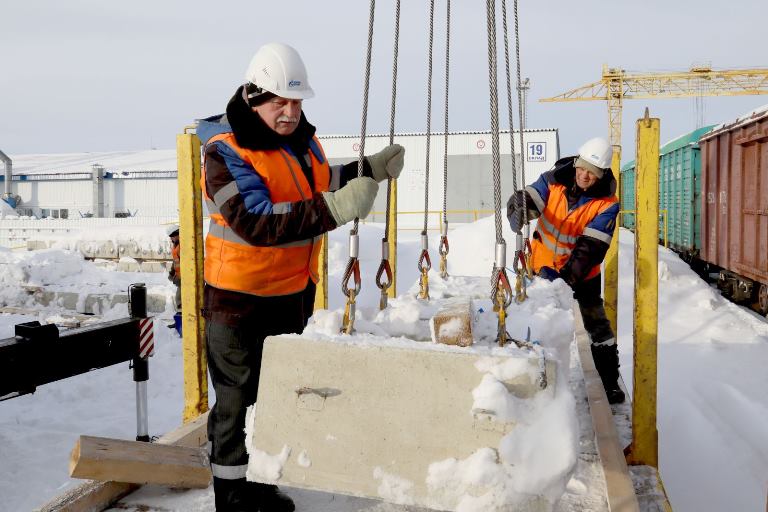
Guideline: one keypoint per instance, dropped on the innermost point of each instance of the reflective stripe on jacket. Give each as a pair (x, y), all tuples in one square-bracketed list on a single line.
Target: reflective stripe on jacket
[(559, 228), (232, 263)]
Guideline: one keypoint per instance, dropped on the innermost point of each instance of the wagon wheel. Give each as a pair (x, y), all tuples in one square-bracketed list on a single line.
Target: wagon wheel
[(762, 299)]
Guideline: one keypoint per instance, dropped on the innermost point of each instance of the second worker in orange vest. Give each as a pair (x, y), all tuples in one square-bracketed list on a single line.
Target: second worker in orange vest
[(576, 207), (271, 193)]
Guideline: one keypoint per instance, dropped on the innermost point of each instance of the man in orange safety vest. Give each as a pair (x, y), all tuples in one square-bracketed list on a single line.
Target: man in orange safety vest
[(576, 207)]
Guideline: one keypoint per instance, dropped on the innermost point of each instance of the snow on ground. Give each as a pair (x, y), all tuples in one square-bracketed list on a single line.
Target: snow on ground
[(713, 409), (712, 400)]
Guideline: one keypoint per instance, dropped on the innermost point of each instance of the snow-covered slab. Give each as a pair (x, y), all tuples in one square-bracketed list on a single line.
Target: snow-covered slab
[(419, 423)]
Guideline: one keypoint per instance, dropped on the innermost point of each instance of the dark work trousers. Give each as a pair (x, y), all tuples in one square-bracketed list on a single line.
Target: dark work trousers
[(234, 348), (604, 349)]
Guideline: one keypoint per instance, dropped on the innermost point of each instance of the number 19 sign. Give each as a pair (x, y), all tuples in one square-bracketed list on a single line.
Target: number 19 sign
[(536, 152)]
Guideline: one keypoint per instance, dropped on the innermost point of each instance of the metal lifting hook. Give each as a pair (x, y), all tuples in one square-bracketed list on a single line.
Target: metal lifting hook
[(502, 300), (384, 269), (348, 322), (527, 260), (424, 270), (520, 271), (353, 270), (443, 249)]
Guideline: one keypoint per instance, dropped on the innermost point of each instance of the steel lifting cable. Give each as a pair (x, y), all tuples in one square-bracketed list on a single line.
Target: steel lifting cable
[(519, 262), (501, 292), (523, 152), (385, 269), (425, 264), (353, 265), (443, 248)]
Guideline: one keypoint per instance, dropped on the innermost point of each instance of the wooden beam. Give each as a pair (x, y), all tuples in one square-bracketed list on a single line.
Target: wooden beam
[(118, 460), (619, 488), (95, 496)]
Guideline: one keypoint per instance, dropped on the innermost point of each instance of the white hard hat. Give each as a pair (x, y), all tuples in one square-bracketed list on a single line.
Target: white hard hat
[(595, 155), (171, 229), (278, 68)]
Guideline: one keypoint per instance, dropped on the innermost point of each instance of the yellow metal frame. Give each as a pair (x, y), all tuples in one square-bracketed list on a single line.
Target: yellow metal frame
[(611, 294), (644, 447), (191, 240), (392, 239)]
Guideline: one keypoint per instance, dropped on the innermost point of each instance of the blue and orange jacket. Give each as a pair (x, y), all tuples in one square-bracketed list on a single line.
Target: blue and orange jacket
[(263, 192), (575, 227)]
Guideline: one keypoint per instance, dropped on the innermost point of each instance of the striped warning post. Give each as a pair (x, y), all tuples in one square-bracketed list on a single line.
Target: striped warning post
[(146, 338)]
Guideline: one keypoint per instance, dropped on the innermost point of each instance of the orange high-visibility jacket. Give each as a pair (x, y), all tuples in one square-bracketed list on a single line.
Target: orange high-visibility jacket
[(269, 181), (559, 226), (176, 255)]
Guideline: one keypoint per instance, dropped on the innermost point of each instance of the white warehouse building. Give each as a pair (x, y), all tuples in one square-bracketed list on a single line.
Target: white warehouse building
[(143, 183)]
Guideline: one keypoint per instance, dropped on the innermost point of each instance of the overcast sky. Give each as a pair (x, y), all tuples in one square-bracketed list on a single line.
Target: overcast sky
[(91, 75)]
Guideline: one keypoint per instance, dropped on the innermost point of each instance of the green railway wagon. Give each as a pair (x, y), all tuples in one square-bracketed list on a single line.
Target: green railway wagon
[(679, 192)]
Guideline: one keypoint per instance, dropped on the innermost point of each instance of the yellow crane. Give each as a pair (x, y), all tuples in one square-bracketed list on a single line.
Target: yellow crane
[(616, 85)]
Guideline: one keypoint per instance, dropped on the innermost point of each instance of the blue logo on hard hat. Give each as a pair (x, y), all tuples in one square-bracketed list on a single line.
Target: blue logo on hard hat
[(294, 83)]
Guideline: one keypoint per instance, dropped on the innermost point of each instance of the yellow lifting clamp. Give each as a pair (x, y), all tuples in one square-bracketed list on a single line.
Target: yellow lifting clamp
[(348, 323), (521, 272), (502, 298), (424, 269), (527, 260), (443, 250)]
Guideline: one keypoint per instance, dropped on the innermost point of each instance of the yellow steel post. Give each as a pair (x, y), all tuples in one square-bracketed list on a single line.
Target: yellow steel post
[(392, 239), (191, 239), (644, 447), (321, 292), (612, 256)]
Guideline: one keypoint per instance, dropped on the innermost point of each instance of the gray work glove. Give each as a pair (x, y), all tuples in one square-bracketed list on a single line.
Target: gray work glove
[(353, 200), (387, 163), (515, 211)]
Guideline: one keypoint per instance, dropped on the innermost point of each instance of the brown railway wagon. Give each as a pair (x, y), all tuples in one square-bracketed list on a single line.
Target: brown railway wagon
[(734, 220)]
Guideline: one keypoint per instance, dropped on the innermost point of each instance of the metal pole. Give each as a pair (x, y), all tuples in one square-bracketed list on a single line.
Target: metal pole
[(137, 301), (645, 437)]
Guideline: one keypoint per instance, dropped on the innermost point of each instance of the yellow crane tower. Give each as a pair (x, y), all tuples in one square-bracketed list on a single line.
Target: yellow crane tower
[(616, 85)]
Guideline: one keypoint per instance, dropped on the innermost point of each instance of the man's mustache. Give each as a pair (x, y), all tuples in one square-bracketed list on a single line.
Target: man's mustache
[(286, 119)]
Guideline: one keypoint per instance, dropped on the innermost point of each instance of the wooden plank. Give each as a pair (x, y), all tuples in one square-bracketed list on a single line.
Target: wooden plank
[(95, 496), (101, 458), (619, 487), (452, 324)]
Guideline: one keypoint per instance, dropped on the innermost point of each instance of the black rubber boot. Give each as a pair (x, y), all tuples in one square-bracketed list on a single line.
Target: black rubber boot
[(271, 499), (234, 496), (607, 363)]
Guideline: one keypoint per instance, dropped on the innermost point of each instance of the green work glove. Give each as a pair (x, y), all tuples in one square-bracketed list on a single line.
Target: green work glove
[(387, 163), (353, 200)]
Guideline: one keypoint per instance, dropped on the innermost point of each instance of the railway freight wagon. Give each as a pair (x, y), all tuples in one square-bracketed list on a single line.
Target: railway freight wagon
[(679, 193), (734, 220)]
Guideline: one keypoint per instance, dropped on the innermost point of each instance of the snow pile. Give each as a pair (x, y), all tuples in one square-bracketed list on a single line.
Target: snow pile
[(24, 275), (6, 211)]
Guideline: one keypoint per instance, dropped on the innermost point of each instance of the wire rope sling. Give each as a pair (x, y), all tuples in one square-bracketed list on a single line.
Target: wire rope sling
[(384, 278), (501, 292), (443, 248), (424, 263), (522, 258), (352, 270)]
